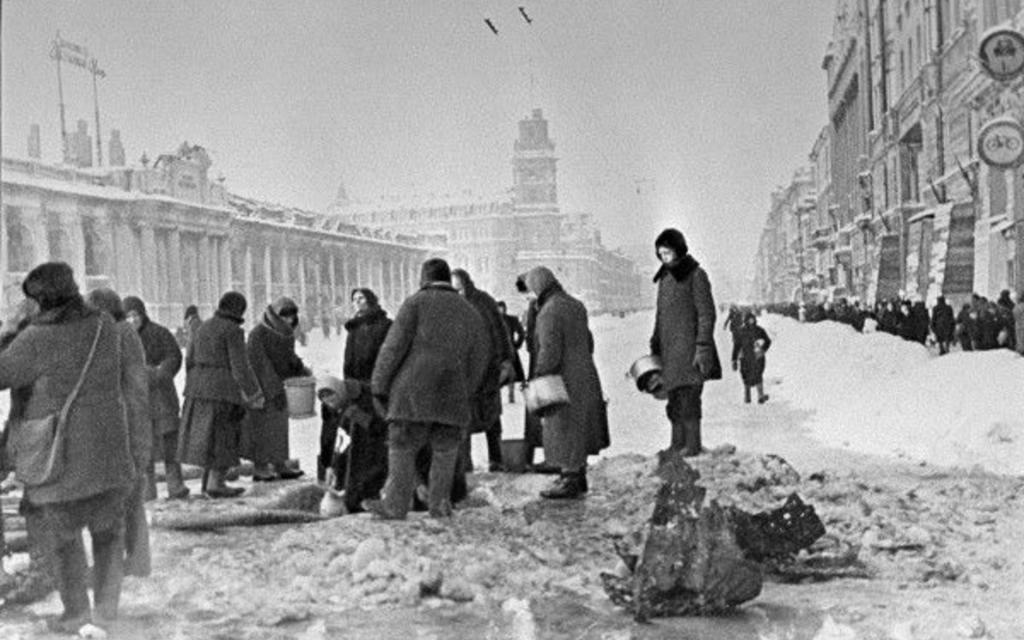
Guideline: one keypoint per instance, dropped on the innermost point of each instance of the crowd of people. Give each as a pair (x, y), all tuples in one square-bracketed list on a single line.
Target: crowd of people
[(94, 404), (978, 325)]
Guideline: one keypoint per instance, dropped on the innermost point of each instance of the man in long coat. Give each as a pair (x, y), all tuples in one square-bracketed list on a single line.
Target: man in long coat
[(219, 385), (163, 361), (943, 324), (565, 347), (431, 364), (271, 352), (684, 337)]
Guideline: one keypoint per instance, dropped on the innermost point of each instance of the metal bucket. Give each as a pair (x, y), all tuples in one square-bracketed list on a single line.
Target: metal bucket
[(643, 369), (301, 396), (513, 455)]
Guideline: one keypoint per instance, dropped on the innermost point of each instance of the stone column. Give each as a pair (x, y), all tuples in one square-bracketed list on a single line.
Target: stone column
[(177, 294), (75, 227), (33, 219), (285, 276), (149, 284), (3, 260), (248, 273), (360, 269), (302, 283), (318, 279), (268, 273), (334, 280), (396, 289)]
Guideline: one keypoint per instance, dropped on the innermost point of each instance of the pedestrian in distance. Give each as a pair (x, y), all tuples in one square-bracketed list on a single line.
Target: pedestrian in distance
[(429, 369), (748, 357), (943, 324), (219, 387), (683, 338), (271, 352), (565, 347), (517, 335)]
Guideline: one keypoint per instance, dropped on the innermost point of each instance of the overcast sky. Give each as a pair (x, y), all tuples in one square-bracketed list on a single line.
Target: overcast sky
[(684, 113)]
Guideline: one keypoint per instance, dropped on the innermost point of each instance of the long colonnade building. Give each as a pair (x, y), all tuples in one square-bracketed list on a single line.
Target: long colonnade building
[(174, 237)]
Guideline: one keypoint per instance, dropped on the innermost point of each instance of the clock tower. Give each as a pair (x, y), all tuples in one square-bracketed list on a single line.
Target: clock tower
[(535, 186)]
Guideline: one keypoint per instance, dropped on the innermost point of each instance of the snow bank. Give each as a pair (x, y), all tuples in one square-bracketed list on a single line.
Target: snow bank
[(879, 394)]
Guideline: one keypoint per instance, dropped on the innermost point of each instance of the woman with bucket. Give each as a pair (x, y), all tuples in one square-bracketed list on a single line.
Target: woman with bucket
[(564, 347), (271, 351)]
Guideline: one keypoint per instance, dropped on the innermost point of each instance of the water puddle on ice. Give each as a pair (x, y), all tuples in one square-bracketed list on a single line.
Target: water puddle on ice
[(572, 617)]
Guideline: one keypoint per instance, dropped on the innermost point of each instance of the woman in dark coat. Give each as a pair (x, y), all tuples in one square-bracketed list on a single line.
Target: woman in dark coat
[(565, 347), (271, 351), (219, 385), (752, 343), (106, 445), (365, 334)]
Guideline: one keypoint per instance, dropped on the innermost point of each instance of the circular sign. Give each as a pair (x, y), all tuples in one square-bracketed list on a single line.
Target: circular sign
[(1002, 53), (1001, 142)]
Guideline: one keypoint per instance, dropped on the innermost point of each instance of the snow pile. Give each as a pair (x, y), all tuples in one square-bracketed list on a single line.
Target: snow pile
[(879, 394)]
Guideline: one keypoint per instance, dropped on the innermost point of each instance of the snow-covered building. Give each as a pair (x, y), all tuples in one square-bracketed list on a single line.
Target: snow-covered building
[(495, 238)]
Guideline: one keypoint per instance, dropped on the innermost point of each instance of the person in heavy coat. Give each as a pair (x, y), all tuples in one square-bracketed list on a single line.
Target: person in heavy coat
[(358, 466), (565, 347), (163, 362), (219, 385), (271, 352), (431, 365), (683, 338), (943, 324), (365, 333), (106, 444), (748, 355), (533, 431), (517, 335), (138, 559), (500, 370)]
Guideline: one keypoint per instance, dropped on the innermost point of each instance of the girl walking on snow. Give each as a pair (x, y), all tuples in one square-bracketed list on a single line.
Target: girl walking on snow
[(748, 356)]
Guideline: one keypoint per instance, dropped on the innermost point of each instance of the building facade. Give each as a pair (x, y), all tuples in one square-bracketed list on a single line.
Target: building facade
[(170, 234), (915, 212), (495, 239)]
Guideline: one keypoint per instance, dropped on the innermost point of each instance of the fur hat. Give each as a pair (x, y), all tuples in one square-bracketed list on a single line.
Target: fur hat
[(135, 303), (106, 299), (435, 270), (285, 306), (51, 284), (673, 239), (191, 310), (540, 279), (232, 303)]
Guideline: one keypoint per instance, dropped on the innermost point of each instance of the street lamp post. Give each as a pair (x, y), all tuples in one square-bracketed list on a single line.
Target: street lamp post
[(94, 69)]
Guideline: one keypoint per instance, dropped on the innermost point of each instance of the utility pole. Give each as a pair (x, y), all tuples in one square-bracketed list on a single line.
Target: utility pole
[(55, 54), (94, 69)]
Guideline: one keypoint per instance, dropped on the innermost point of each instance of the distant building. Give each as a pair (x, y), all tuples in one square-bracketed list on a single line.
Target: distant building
[(496, 238), (171, 235)]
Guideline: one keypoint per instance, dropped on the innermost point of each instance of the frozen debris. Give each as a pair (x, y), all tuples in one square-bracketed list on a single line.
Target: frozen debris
[(368, 550), (832, 630), (971, 627), (902, 631), (457, 590), (524, 625), (90, 630)]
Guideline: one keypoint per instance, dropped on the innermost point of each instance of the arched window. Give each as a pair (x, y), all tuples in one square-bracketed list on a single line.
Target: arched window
[(20, 248)]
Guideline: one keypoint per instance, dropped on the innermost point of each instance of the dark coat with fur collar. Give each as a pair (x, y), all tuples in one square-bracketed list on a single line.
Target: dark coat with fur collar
[(163, 362), (271, 351), (366, 333), (107, 434), (684, 323)]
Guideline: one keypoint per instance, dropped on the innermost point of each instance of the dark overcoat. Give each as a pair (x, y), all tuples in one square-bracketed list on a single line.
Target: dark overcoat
[(943, 323), (216, 365), (487, 401), (751, 366), (365, 335), (108, 436), (684, 322), (564, 346), (163, 361), (433, 358)]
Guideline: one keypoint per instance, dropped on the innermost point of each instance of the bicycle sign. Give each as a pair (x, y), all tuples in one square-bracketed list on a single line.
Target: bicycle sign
[(1001, 142), (1001, 53)]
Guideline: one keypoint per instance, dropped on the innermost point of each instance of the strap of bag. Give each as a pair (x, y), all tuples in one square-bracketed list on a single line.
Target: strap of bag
[(81, 378)]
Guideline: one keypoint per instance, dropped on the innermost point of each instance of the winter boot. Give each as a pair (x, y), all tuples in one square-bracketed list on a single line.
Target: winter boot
[(176, 489), (746, 394), (691, 434), (762, 397), (569, 486), (217, 488)]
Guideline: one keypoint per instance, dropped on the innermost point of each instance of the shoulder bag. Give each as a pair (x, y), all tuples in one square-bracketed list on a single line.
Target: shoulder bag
[(37, 444)]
